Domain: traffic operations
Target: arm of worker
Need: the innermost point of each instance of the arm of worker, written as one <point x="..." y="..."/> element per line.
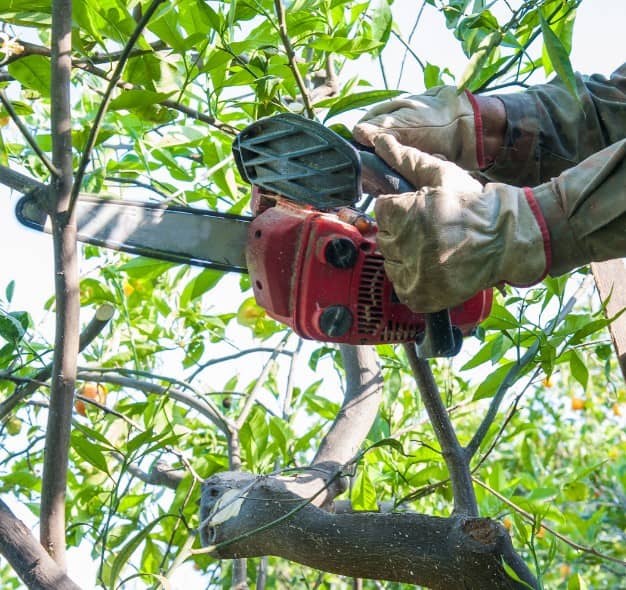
<point x="519" y="138"/>
<point x="548" y="129"/>
<point x="454" y="237"/>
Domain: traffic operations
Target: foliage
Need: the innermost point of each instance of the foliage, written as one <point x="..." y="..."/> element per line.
<point x="185" y="350"/>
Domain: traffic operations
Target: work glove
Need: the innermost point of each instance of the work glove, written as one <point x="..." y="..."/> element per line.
<point x="453" y="237"/>
<point x="441" y="122"/>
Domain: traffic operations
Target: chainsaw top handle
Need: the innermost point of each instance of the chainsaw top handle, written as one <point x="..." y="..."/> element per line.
<point x="310" y="164"/>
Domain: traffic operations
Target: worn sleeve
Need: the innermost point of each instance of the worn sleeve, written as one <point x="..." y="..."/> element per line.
<point x="549" y="130"/>
<point x="585" y="210"/>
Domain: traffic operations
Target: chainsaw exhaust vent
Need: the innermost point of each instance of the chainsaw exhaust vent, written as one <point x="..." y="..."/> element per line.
<point x="299" y="159"/>
<point x="370" y="299"/>
<point x="370" y="306"/>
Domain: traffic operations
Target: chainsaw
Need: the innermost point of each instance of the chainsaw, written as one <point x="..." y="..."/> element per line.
<point x="312" y="267"/>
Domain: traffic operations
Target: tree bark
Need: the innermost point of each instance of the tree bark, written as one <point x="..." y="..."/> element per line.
<point x="27" y="557"/>
<point x="456" y="553"/>
<point x="52" y="531"/>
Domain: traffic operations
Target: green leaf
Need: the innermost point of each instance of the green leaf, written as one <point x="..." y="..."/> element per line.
<point x="578" y="368"/>
<point x="576" y="583"/>
<point x="9" y="291"/>
<point x="363" y="494"/>
<point x="90" y="453"/>
<point x="479" y="59"/>
<point x="490" y="385"/>
<point x="13" y="326"/>
<point x="125" y="553"/>
<point x="559" y="58"/>
<point x="146" y="268"/>
<point x="199" y="285"/>
<point x="133" y="99"/>
<point x="511" y="573"/>
<point x="355" y="101"/>
<point x="33" y="71"/>
<point x="20" y="108"/>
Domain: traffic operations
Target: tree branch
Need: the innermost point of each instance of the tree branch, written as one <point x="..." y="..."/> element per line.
<point x="360" y="405"/>
<point x="271" y="516"/>
<point x="203" y="406"/>
<point x="291" y="56"/>
<point x="66" y="342"/>
<point x="27" y="557"/>
<point x="455" y="456"/>
<point x="160" y="474"/>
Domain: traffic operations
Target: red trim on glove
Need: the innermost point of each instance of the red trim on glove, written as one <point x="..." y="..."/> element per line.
<point x="545" y="233"/>
<point x="478" y="124"/>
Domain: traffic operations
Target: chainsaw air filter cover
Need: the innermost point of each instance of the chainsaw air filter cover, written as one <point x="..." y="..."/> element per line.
<point x="301" y="160"/>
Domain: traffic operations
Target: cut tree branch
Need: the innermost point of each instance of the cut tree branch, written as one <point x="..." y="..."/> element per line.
<point x="456" y="553"/>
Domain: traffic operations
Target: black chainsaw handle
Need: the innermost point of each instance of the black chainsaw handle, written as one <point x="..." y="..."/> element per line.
<point x="378" y="178"/>
<point x="439" y="338"/>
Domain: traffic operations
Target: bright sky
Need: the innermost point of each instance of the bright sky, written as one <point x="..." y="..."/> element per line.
<point x="599" y="47"/>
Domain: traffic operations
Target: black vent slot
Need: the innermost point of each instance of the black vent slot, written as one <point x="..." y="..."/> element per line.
<point x="370" y="300"/>
<point x="299" y="159"/>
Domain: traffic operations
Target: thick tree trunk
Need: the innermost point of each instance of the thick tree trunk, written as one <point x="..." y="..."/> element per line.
<point x="270" y="516"/>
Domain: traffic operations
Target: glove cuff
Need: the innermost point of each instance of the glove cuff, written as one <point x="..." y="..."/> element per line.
<point x="479" y="131"/>
<point x="566" y="251"/>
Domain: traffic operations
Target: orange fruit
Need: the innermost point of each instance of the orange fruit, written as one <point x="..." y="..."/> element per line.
<point x="91" y="390"/>
<point x="508" y="523"/>
<point x="617" y="409"/>
<point x="128" y="289"/>
<point x="578" y="404"/>
<point x="565" y="570"/>
<point x="547" y="382"/>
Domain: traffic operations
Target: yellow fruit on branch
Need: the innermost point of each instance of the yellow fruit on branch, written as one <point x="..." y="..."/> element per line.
<point x="578" y="404"/>
<point x="91" y="390"/>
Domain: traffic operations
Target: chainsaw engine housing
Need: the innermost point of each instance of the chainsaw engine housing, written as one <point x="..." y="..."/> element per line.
<point x="326" y="280"/>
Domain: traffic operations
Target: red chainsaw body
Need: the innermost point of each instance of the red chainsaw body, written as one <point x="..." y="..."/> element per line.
<point x="325" y="279"/>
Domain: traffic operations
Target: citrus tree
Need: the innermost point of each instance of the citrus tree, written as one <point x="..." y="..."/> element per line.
<point x="164" y="387"/>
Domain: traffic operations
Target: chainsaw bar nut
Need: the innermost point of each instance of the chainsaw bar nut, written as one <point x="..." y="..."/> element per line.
<point x="341" y="253"/>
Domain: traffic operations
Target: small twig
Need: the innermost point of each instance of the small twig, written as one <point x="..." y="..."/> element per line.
<point x="251" y="399"/>
<point x="234" y="356"/>
<point x="106" y="99"/>
<point x="27" y="134"/>
<point x="415" y="25"/>
<point x="291" y="56"/>
<point x="533" y="520"/>
<point x="455" y="456"/>
<point x="205" y="407"/>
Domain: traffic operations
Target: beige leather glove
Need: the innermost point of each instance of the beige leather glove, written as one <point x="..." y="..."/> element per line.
<point x="454" y="237"/>
<point x="440" y="121"/>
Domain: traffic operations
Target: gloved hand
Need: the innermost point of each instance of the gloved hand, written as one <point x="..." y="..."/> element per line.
<point x="454" y="237"/>
<point x="440" y="121"/>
